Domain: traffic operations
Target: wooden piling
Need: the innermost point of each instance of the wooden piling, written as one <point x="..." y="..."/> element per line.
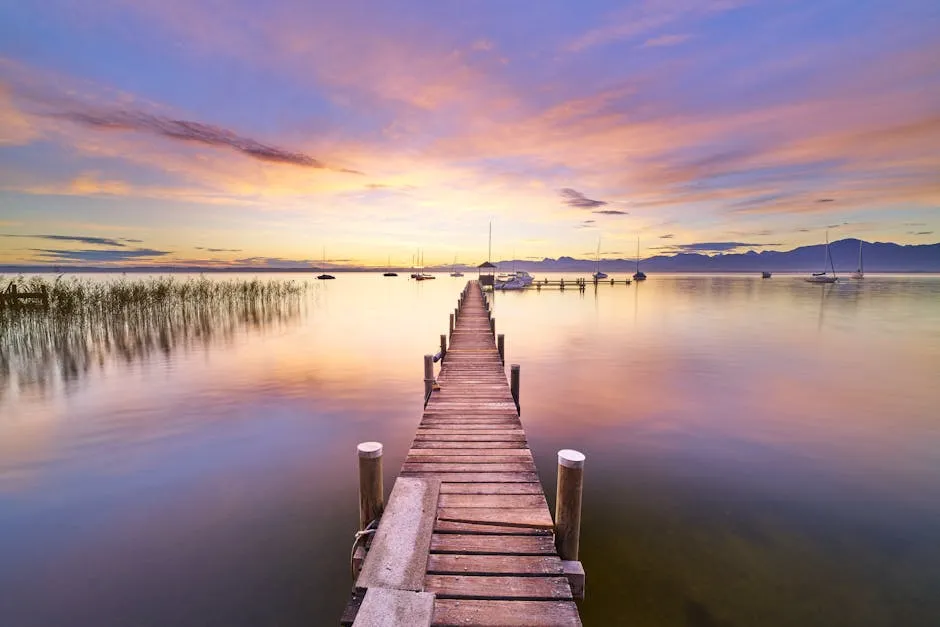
<point x="493" y="326"/>
<point x="451" y="326"/>
<point x="371" y="492"/>
<point x="568" y="503"/>
<point x="443" y="346"/>
<point x="428" y="376"/>
<point x="501" y="347"/>
<point x="514" y="385"/>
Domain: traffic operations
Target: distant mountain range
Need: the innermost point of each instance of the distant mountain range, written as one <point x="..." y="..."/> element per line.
<point x="879" y="257"/>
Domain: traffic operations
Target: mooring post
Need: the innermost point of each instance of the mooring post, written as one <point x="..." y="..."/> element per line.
<point x="428" y="376"/>
<point x="371" y="500"/>
<point x="514" y="385"/>
<point x="501" y="347"/>
<point x="493" y="326"/>
<point x="568" y="517"/>
<point x="451" y="326"/>
<point x="444" y="346"/>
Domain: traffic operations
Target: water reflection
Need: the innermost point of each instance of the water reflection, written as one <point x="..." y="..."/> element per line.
<point x="759" y="452"/>
<point x="39" y="351"/>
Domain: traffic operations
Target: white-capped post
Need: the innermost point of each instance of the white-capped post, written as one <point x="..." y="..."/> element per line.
<point x="568" y="503"/>
<point x="371" y="499"/>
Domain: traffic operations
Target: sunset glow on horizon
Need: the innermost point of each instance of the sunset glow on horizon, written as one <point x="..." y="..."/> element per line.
<point x="213" y="133"/>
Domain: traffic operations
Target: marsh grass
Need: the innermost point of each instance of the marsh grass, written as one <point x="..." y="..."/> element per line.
<point x="89" y="324"/>
<point x="74" y="296"/>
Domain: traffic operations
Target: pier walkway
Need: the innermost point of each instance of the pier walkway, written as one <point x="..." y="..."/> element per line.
<point x="467" y="537"/>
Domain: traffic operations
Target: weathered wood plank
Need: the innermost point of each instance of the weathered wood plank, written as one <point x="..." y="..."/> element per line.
<point x="446" y="526"/>
<point x="491" y="488"/>
<point x="445" y="437"/>
<point x="479" y="466"/>
<point x="492" y="500"/>
<point x="474" y="544"/>
<point x="475" y="461"/>
<point x="451" y="612"/>
<point x="477" y="477"/>
<point x="383" y="607"/>
<point x="509" y="517"/>
<point x="494" y="565"/>
<point x="421" y="443"/>
<point x="497" y="587"/>
<point x="463" y="452"/>
<point x="398" y="555"/>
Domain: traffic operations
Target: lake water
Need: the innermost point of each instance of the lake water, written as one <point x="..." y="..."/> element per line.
<point x="759" y="452"/>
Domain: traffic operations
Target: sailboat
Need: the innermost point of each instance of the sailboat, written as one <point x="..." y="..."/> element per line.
<point x="824" y="277"/>
<point x="597" y="263"/>
<point x="456" y="272"/>
<point x="638" y="275"/>
<point x="388" y="268"/>
<point x="422" y="275"/>
<point x="325" y="276"/>
<point x="860" y="273"/>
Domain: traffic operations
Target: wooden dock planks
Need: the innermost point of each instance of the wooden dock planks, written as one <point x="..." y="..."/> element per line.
<point x="492" y="556"/>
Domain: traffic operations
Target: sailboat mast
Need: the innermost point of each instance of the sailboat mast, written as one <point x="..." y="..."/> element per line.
<point x="489" y="251"/>
<point x="859" y="255"/>
<point x="637" y="254"/>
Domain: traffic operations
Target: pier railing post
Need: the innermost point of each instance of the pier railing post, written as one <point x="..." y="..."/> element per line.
<point x="568" y="517"/>
<point x="371" y="499"/>
<point x="428" y="376"/>
<point x="514" y="385"/>
<point x="443" y="346"/>
<point x="451" y="326"/>
<point x="501" y="347"/>
<point x="493" y="326"/>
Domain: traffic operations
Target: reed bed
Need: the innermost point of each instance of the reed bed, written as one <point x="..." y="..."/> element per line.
<point x="90" y="324"/>
<point x="74" y="296"/>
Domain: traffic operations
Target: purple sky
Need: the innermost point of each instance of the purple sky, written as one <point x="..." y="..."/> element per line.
<point x="175" y="131"/>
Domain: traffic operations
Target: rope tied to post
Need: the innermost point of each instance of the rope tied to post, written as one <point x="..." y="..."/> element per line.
<point x="357" y="539"/>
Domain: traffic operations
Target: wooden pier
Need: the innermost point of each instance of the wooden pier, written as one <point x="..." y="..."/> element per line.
<point x="467" y="537"/>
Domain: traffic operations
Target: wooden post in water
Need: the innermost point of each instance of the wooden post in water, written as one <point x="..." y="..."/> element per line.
<point x="501" y="347"/>
<point x="493" y="326"/>
<point x="568" y="503"/>
<point x="451" y="326"/>
<point x="568" y="517"/>
<point x="514" y="385"/>
<point x="443" y="346"/>
<point x="428" y="376"/>
<point x="371" y="499"/>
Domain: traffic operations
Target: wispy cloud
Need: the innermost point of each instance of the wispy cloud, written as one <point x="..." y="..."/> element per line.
<point x="219" y="250"/>
<point x="84" y="239"/>
<point x="712" y="247"/>
<point x="574" y="198"/>
<point x="666" y="236"/>
<point x="612" y="212"/>
<point x="641" y="19"/>
<point x="184" y="130"/>
<point x="86" y="255"/>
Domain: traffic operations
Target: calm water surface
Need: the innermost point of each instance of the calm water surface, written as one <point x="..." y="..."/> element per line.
<point x="759" y="452"/>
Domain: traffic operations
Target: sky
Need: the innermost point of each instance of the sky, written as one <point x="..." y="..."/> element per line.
<point x="287" y="132"/>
